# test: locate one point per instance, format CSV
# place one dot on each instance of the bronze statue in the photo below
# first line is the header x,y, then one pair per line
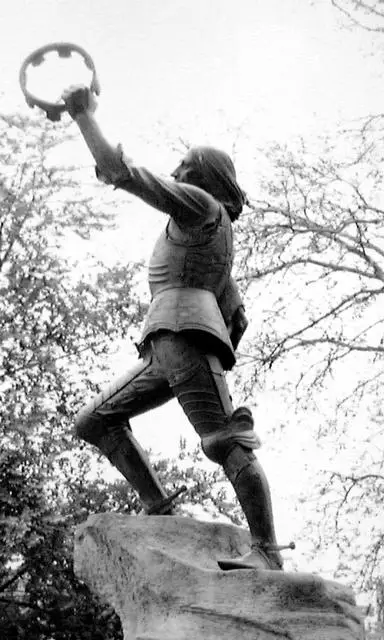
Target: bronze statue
x,y
193,327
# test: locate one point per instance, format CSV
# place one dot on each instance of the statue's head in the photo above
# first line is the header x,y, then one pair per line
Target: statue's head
x,y
212,170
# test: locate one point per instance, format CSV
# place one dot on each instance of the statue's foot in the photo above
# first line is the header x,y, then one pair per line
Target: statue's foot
x,y
261,558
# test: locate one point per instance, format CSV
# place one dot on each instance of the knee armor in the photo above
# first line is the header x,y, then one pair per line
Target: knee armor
x,y
89,426
92,420
238,431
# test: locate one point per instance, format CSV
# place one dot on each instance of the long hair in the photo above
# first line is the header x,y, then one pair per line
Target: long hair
x,y
217,176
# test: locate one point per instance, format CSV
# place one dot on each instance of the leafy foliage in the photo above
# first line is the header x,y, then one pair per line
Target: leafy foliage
x,y
39,595
55,323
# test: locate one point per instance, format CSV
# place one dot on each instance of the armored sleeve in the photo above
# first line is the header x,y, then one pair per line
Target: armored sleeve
x,y
232,308
190,206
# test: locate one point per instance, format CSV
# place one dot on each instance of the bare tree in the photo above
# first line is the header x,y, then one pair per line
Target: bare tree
x,y
311,260
368,14
321,222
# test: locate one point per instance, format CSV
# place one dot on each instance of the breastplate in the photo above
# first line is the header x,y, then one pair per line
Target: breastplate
x,y
188,278
202,260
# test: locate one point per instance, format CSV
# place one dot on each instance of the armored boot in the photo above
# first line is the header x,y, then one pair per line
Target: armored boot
x,y
252,490
125,453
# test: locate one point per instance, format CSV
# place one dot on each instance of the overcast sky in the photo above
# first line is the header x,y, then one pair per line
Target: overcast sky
x,y
286,66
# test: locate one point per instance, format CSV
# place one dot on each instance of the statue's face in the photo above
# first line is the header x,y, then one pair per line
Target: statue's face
x,y
185,171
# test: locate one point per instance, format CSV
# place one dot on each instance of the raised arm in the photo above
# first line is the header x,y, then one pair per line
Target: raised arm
x,y
190,206
81,106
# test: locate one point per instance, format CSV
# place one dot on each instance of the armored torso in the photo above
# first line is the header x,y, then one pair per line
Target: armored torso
x,y
201,259
190,268
188,274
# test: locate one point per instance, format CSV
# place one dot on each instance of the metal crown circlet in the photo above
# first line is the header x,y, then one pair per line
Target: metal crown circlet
x,y
65,50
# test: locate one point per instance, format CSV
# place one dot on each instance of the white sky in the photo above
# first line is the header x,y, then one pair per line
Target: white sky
x,y
202,68
286,66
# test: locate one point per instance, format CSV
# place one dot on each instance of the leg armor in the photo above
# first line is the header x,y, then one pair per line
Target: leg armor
x,y
232,448
248,479
104,422
139,390
227,436
197,381
238,430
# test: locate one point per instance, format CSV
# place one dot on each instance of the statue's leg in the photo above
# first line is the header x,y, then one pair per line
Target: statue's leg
x,y
252,489
198,382
104,422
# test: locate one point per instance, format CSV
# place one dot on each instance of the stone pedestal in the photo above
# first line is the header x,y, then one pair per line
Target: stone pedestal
x,y
161,576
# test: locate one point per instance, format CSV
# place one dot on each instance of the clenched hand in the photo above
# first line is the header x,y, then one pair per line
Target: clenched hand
x,y
79,99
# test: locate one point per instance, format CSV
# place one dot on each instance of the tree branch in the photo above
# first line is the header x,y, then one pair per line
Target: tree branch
x,y
15,577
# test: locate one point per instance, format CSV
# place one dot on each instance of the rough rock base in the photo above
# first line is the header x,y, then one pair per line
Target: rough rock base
x,y
161,576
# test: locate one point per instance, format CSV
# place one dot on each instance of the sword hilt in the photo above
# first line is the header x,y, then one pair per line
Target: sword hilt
x,y
277,547
161,506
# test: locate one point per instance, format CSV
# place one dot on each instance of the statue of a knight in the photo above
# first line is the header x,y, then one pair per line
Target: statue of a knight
x,y
194,324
